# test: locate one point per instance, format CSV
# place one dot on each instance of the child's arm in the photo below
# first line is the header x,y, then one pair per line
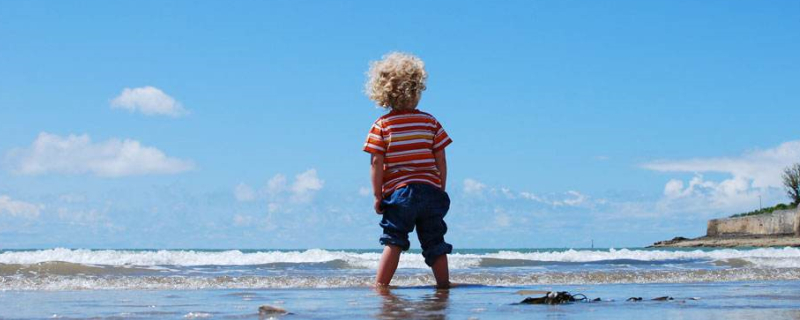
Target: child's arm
x,y
376,173
441,164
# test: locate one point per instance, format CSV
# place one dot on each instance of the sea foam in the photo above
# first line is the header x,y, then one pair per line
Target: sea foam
x,y
57,283
763,257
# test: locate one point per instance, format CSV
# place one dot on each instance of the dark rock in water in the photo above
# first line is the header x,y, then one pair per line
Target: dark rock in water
x,y
553,297
266,310
664,298
597,300
669,242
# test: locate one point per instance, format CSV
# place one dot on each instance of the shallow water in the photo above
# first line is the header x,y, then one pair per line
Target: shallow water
x,y
729,300
231,284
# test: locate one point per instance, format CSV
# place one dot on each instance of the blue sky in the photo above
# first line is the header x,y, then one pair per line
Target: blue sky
x,y
199,124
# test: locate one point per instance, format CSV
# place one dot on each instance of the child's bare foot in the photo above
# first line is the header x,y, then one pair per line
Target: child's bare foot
x,y
449,285
440,286
380,286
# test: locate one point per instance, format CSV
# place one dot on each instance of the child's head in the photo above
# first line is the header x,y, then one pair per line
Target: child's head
x,y
396,81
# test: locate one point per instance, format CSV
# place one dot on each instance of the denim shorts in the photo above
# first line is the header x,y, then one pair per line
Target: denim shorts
x,y
421,205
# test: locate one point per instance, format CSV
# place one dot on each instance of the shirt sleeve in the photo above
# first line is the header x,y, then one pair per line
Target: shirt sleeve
x,y
375,143
440,139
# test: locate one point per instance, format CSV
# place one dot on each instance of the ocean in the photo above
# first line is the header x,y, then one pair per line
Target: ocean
x,y
335,284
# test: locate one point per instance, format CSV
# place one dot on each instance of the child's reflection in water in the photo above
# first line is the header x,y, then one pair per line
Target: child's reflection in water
x,y
431,306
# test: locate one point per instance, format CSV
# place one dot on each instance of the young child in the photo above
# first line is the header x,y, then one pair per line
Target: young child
x,y
409,168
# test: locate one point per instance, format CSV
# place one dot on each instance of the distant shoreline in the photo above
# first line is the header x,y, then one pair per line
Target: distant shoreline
x,y
730,241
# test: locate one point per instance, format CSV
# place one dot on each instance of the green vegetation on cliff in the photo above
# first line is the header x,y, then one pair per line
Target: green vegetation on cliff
x,y
780,206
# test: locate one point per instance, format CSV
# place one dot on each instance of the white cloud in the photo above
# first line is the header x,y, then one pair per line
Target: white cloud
x,y
16,208
244,193
673,189
276,185
531,196
508,193
473,187
149,101
707,197
77,154
279,194
754,174
570,199
763,167
576,199
306,185
477,190
364,191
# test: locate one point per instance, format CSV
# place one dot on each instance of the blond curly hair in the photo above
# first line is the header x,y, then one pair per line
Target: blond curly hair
x,y
396,81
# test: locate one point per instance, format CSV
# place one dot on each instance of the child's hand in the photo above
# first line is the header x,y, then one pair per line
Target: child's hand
x,y
378,209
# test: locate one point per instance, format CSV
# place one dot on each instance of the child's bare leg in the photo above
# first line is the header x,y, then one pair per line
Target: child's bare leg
x,y
388,265
441,272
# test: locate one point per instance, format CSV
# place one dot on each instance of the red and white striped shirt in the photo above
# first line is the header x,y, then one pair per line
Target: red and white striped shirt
x,y
408,140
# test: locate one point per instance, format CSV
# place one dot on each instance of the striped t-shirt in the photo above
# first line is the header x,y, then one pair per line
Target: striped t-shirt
x,y
408,140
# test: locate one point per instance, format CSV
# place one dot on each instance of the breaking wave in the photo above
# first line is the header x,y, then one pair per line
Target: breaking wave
x,y
82,269
55,282
764,257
